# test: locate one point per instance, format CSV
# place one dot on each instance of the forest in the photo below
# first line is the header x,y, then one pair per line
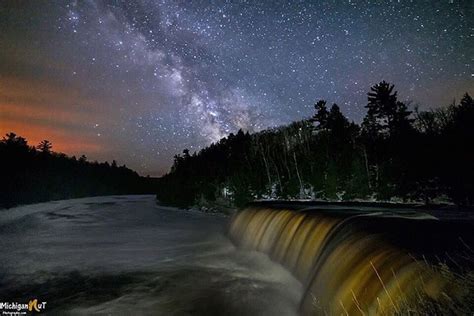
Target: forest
x,y
395,154
35,174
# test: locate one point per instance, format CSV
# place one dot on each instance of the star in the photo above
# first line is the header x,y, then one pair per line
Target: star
x,y
163,76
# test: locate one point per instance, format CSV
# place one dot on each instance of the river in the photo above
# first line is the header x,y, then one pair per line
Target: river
x,y
125,255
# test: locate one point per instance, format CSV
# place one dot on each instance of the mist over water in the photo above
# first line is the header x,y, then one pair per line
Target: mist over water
x,y
126,255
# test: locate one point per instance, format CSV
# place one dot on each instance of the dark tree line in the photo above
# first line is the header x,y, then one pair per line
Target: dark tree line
x,y
394,154
34,174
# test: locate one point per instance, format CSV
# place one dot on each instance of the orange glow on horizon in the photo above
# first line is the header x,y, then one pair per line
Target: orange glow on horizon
x,y
38,110
62,141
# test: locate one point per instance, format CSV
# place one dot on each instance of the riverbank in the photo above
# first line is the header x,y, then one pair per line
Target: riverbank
x,y
439,210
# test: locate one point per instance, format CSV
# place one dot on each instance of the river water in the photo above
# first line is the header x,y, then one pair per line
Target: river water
x,y
125,255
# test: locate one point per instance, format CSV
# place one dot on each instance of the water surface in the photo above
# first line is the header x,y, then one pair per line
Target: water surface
x,y
127,255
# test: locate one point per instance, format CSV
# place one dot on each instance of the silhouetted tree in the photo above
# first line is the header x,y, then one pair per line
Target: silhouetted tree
x,y
391,155
459,137
321,115
12,140
30,175
385,114
45,146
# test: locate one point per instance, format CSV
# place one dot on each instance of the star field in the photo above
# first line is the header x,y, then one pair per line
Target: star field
x,y
138,81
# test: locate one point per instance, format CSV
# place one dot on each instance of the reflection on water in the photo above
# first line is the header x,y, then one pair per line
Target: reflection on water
x,y
366,263
125,255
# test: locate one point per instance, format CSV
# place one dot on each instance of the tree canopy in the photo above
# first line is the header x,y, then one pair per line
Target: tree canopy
x,y
394,154
35,173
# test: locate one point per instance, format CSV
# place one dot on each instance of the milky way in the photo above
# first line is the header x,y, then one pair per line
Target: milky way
x,y
138,81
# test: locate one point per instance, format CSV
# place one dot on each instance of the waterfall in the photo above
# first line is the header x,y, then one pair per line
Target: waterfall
x,y
355,262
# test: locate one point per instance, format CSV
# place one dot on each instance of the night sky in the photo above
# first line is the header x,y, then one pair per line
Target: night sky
x,y
138,81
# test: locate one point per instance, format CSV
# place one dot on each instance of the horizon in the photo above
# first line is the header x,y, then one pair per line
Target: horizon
x,y
114,82
110,160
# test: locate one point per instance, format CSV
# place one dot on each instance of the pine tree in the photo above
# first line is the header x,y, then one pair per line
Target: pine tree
x,y
385,114
45,146
321,115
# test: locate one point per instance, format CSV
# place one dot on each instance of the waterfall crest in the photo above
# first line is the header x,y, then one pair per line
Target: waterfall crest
x,y
363,263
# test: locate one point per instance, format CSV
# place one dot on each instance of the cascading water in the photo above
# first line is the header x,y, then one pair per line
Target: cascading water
x,y
364,263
